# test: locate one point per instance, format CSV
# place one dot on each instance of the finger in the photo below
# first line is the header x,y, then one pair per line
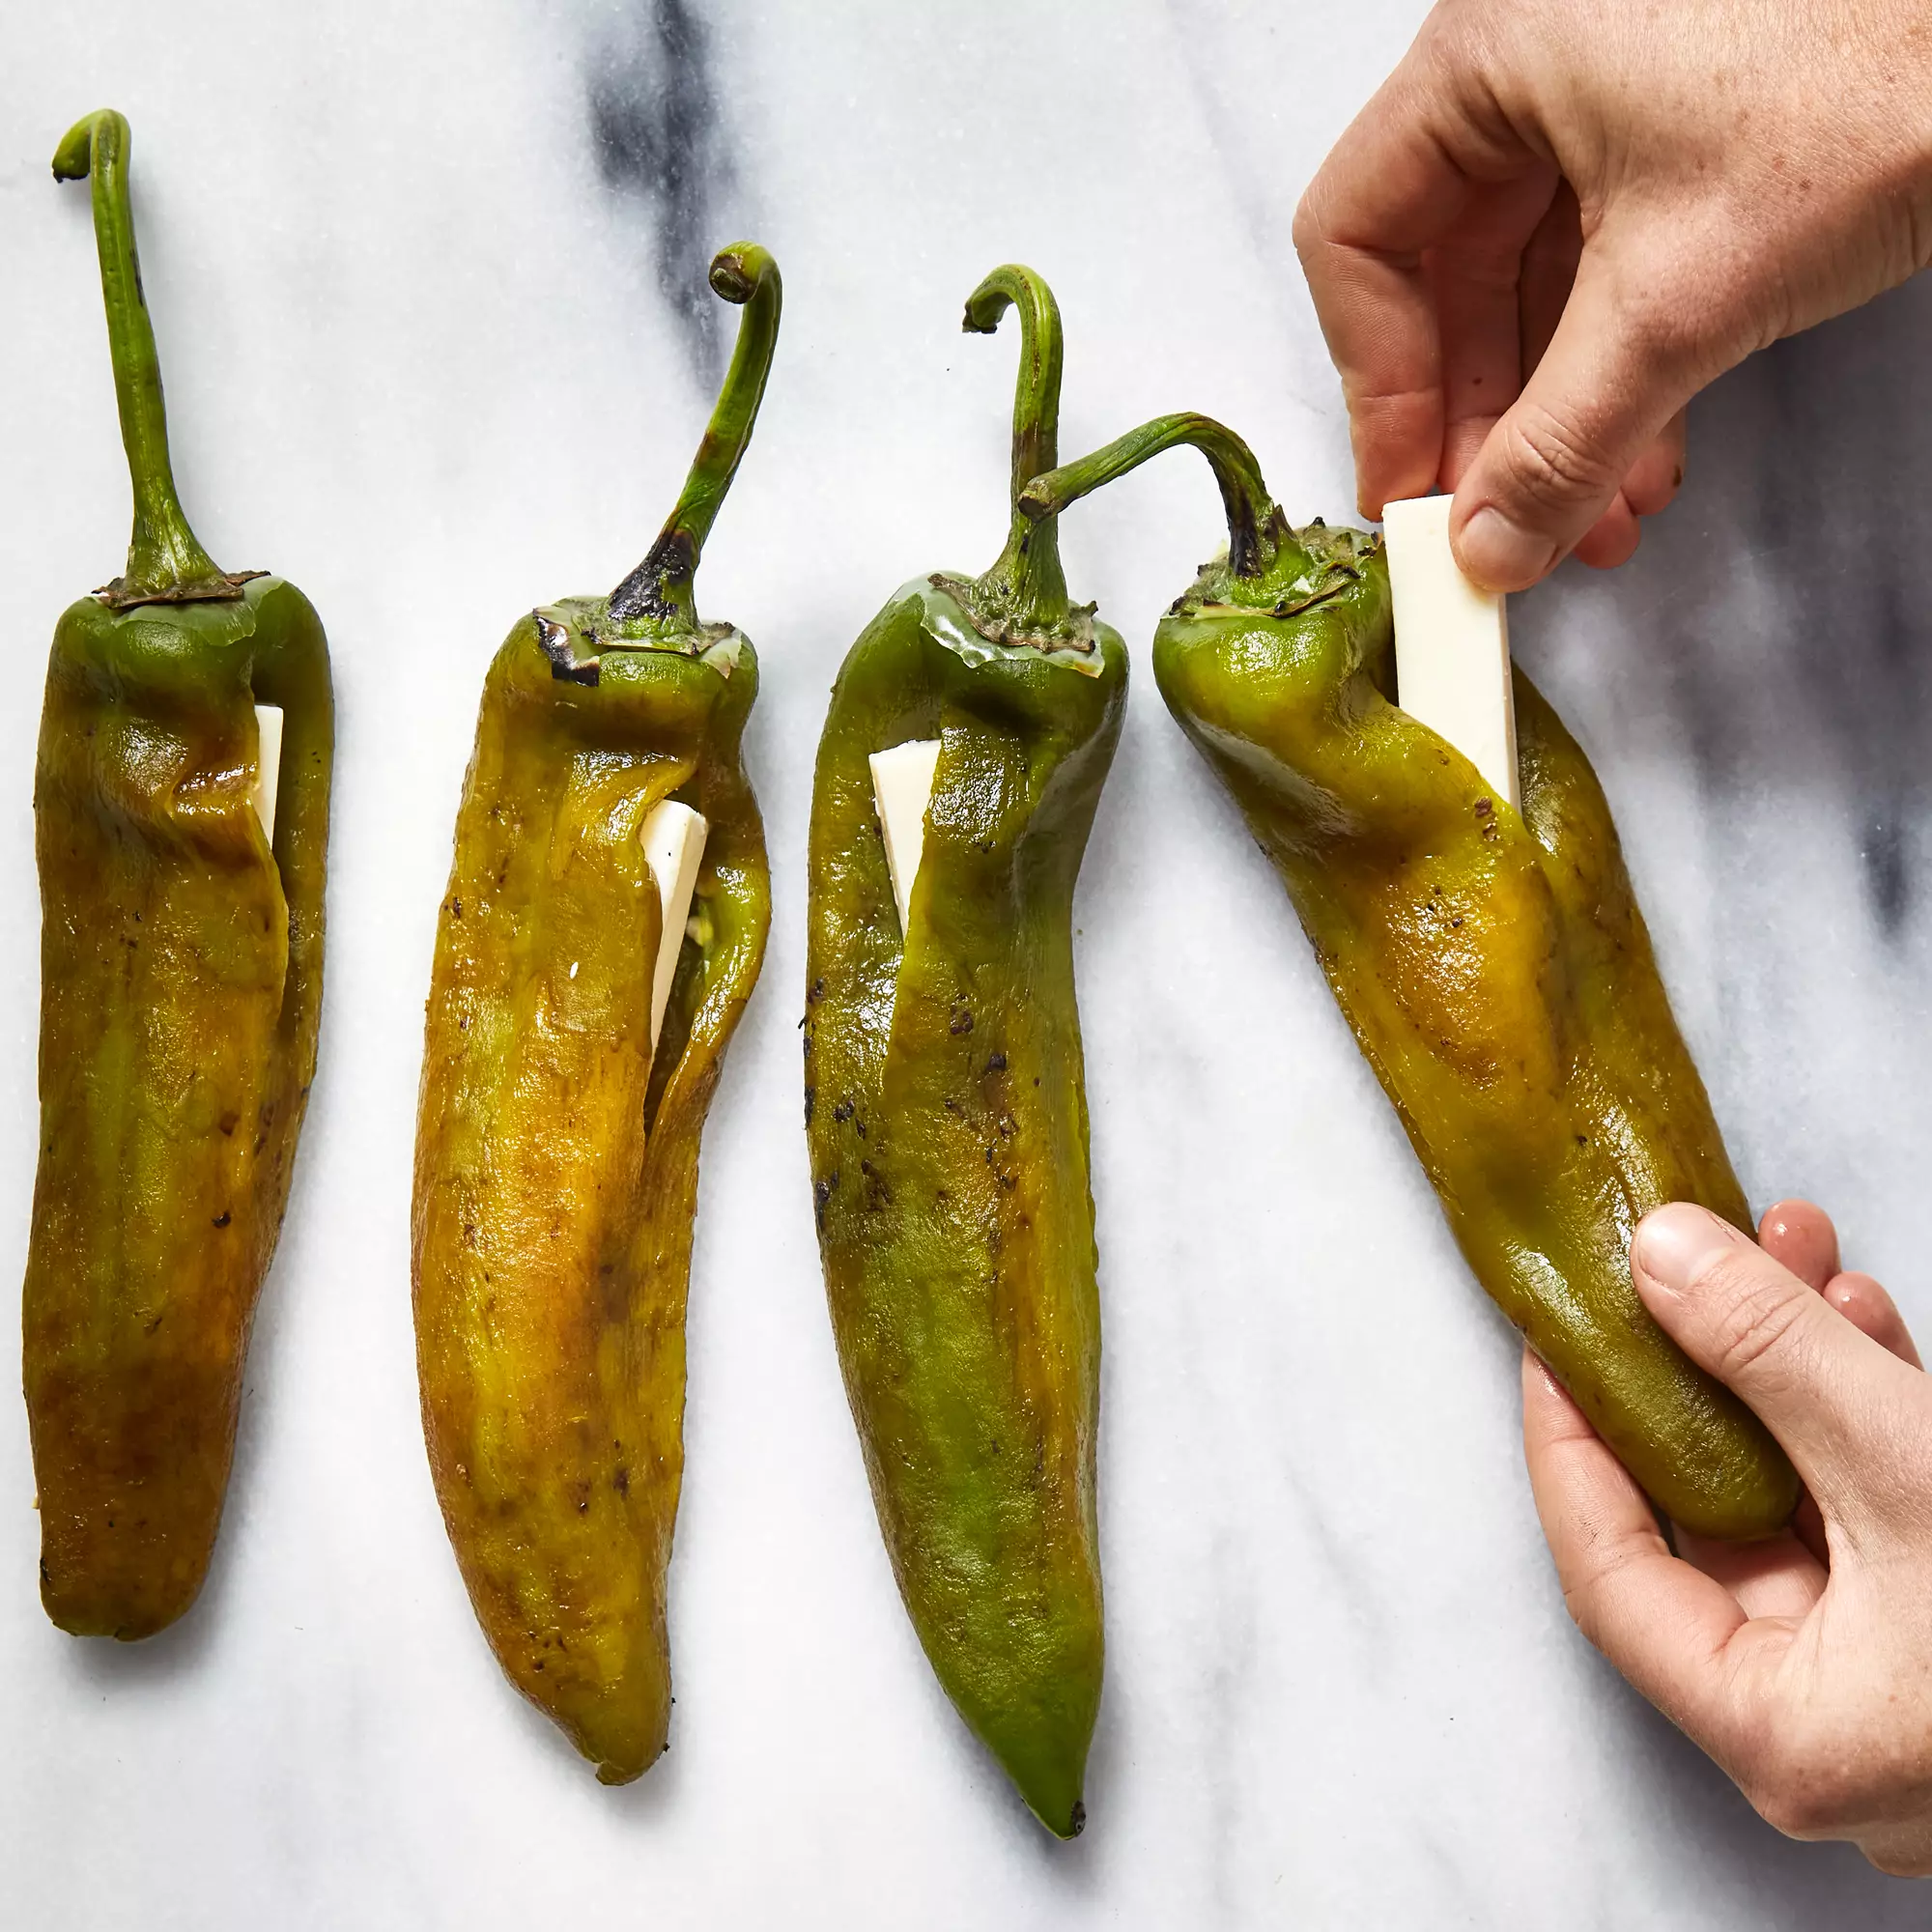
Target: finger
x,y
1658,474
1548,272
1662,1623
1474,275
1869,1309
1799,1234
1775,1577
1846,1411
1613,539
1393,185
1616,371
1653,481
1808,1526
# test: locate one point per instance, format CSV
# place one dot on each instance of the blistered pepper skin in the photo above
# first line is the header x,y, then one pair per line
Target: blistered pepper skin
x,y
947,1126
557,1177
556,1147
946,1111
181,987
180,971
1498,976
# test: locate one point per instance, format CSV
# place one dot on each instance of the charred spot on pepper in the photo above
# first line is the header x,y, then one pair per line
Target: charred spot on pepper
x,y
962,1022
553,639
671,559
811,1101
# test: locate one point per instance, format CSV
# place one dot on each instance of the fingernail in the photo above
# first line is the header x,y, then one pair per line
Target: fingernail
x,y
1502,556
1675,1245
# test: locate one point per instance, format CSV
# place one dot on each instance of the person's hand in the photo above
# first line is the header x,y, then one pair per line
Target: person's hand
x,y
1625,197
1802,1663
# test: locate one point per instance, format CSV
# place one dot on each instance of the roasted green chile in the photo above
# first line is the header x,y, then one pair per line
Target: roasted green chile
x,y
1493,964
946,1111
180,981
556,1150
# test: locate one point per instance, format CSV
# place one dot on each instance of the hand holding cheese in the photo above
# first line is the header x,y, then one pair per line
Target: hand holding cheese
x,y
1452,660
1748,170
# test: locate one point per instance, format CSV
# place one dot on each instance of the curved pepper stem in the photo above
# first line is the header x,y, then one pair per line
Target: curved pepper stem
x,y
1256,526
1027,581
165,564
657,596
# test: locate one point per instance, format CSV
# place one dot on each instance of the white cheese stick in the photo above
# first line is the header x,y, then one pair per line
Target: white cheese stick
x,y
1452,660
901,790
268,766
674,838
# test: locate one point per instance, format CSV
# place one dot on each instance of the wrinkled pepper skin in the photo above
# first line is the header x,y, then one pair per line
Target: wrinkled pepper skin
x,y
1496,972
181,970
556,1180
557,1155
946,1120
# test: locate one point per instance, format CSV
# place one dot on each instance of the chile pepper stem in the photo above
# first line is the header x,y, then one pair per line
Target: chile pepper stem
x,y
1026,578
1254,523
164,558
658,593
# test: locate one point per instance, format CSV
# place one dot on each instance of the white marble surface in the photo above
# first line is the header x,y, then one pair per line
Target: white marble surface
x,y
422,359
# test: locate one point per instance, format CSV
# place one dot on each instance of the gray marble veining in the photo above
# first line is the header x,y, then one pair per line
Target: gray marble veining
x,y
429,286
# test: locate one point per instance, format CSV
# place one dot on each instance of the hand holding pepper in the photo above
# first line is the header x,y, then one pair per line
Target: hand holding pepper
x,y
1798,1662
1492,963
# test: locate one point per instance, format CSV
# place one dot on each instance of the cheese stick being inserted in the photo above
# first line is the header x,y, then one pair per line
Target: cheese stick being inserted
x,y
1452,660
268,766
901,790
674,838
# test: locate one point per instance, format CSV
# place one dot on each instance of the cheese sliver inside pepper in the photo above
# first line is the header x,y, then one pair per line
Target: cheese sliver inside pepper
x,y
268,766
901,789
1452,660
674,838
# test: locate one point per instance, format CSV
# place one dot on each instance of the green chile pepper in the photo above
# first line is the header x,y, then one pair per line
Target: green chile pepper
x,y
180,981
557,1152
1493,964
946,1116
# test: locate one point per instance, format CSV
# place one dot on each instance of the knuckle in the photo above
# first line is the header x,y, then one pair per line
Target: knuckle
x,y
1802,1809
1307,233
1555,464
1593,1580
1659,327
1756,1322
1819,1786
1913,1860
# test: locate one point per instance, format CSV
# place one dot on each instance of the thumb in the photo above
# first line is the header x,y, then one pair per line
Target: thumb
x,y
1840,1404
1620,366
